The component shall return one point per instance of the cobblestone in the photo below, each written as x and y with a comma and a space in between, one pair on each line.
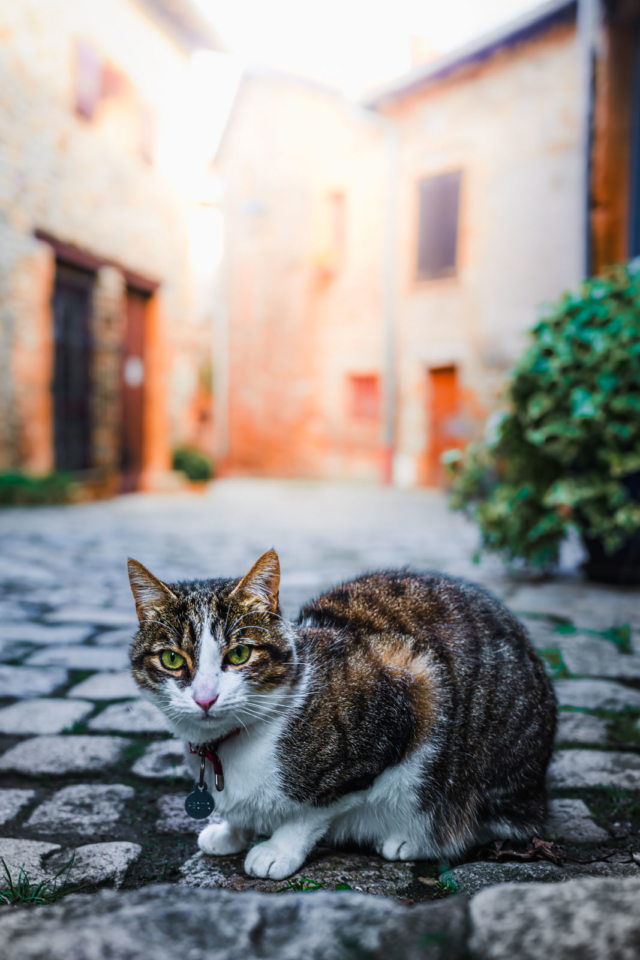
12, 802
162, 761
588, 656
81, 658
596, 694
115, 638
472, 877
100, 616
101, 863
84, 809
134, 716
30, 681
365, 874
29, 855
570, 769
65, 606
106, 686
62, 755
45, 716
571, 821
175, 819
41, 634
580, 728
95, 863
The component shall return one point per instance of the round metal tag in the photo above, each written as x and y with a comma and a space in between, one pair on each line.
199, 804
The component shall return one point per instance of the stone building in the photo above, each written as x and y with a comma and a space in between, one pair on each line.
489, 201
298, 362
105, 344
466, 194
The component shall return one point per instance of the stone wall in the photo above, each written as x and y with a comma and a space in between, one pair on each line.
120, 185
511, 125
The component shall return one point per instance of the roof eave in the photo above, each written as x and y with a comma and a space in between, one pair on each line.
516, 31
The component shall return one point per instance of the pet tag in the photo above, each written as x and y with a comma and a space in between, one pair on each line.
199, 804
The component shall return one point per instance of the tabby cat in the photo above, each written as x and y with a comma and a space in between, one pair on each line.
403, 711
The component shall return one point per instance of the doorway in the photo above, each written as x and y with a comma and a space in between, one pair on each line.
73, 351
443, 410
133, 392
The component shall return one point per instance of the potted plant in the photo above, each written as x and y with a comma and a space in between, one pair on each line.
567, 451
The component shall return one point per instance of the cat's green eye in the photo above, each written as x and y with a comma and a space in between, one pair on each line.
239, 654
171, 660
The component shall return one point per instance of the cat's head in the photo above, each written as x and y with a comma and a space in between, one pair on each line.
213, 655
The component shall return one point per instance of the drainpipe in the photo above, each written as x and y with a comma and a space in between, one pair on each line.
589, 14
221, 345
389, 273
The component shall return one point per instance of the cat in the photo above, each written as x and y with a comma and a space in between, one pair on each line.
403, 711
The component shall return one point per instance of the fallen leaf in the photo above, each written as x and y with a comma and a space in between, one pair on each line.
428, 881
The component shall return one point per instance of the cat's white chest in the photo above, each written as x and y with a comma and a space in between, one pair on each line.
252, 795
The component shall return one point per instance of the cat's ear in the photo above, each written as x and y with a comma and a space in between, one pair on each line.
149, 593
260, 586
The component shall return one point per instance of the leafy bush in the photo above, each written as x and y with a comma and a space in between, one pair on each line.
568, 450
21, 489
194, 464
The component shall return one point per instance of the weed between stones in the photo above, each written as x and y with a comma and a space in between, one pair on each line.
22, 890
557, 667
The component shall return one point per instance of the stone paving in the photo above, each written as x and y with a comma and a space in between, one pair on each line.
91, 776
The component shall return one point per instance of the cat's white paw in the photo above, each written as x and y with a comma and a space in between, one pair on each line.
271, 859
220, 840
399, 848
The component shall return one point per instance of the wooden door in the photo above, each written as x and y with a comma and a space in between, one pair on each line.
443, 408
72, 368
133, 377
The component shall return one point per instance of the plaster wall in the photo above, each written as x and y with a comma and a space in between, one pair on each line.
511, 124
122, 186
304, 306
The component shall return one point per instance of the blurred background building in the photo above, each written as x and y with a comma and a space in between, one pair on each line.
105, 347
381, 262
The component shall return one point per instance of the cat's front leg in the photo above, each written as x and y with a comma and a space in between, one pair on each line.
221, 839
288, 848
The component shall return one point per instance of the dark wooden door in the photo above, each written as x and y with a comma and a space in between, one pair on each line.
443, 411
133, 377
72, 368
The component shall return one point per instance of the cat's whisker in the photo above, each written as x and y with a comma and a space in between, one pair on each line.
239, 719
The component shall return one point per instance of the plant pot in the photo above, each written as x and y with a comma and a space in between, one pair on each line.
621, 567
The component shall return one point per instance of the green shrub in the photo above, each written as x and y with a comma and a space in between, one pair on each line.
194, 464
567, 448
22, 489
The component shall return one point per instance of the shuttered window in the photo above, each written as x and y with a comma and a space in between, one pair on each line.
438, 205
364, 396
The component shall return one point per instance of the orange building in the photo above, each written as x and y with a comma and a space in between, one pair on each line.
383, 265
299, 359
105, 345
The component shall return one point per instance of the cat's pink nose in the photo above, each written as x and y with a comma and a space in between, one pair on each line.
206, 704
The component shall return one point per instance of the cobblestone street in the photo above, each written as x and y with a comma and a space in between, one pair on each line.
88, 767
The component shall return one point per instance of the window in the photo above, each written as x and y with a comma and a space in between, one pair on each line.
88, 80
438, 204
364, 396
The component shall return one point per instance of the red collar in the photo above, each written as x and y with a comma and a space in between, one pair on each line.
210, 751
